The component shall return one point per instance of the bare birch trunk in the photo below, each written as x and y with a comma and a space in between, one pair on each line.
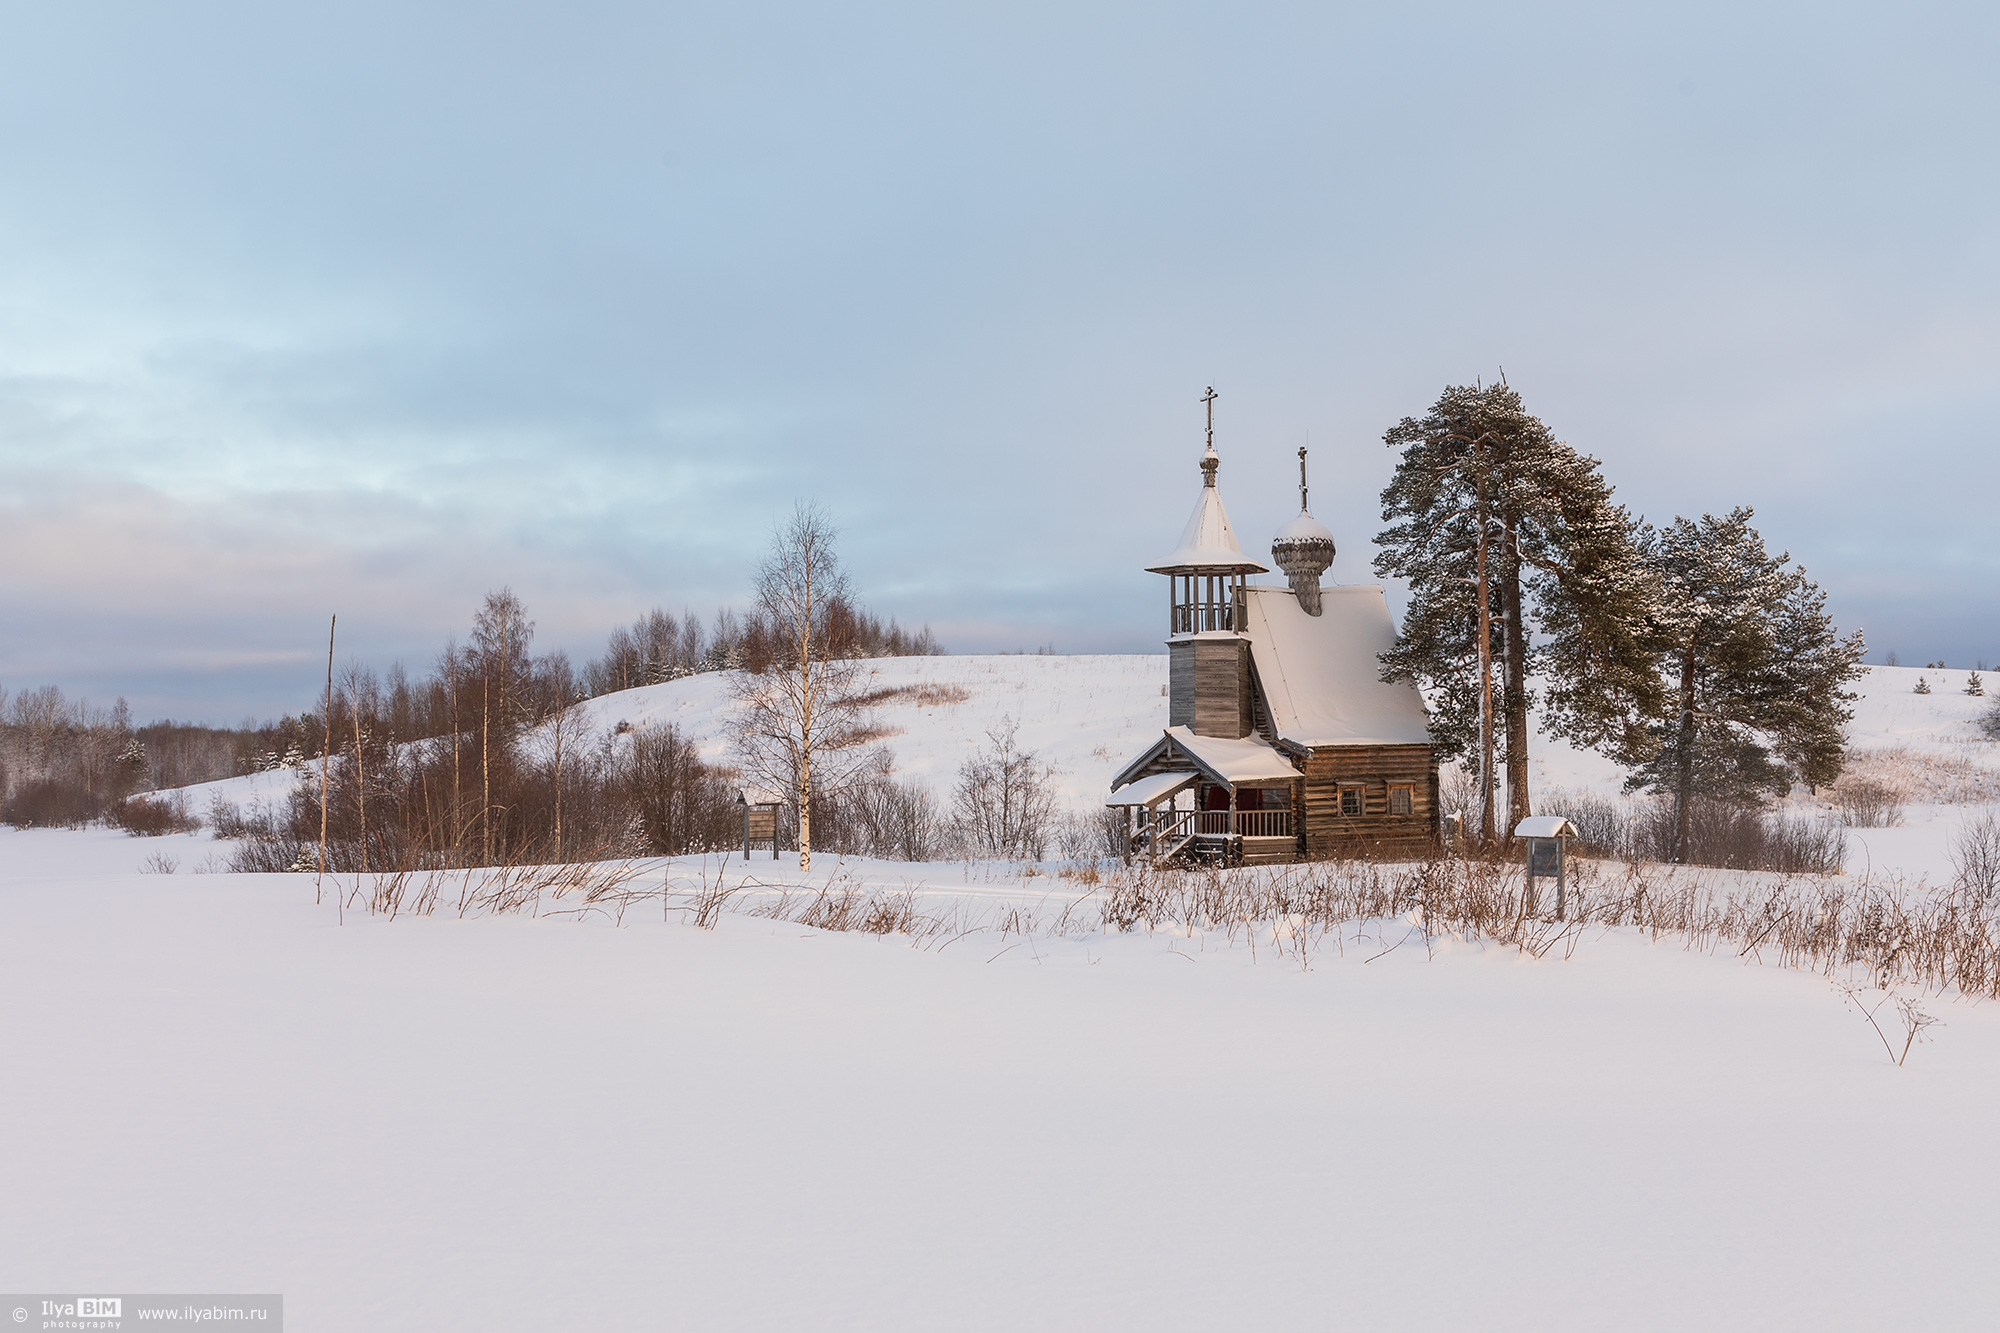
457, 754
325, 757
485, 771
806, 736
360, 782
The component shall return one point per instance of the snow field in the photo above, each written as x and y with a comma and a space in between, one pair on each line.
522, 1123
574, 1120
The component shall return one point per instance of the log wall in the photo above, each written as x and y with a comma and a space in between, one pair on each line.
1373, 768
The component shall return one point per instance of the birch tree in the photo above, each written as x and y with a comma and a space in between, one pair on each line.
801, 725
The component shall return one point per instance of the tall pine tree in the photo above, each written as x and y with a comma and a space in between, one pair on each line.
1752, 668
1486, 498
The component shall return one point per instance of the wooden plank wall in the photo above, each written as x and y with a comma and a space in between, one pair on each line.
1222, 686
1208, 686
1180, 684
1374, 831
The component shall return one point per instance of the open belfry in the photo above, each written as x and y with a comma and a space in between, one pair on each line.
1283, 741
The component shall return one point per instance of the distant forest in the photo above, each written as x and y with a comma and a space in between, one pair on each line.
66, 763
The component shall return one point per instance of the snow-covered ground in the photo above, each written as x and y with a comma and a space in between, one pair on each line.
580, 1121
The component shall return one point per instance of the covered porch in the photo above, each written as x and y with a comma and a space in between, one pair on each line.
1211, 799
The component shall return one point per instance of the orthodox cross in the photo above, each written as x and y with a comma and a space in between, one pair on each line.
1302, 479
1209, 399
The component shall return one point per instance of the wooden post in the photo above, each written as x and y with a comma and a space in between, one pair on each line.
1562, 860
1235, 843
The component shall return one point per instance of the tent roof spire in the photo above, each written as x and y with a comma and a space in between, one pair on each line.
1208, 544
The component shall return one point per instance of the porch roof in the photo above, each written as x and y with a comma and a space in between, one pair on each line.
1153, 788
1228, 763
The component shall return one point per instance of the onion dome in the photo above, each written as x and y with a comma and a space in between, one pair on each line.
1304, 549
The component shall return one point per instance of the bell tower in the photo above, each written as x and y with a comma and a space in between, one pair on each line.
1208, 670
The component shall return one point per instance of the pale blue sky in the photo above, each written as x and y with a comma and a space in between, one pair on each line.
370, 308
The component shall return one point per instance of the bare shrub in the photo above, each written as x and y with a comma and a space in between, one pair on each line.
681, 804
1989, 721
1975, 857
1603, 825
1458, 789
883, 817
152, 816
49, 803
274, 855
1740, 837
227, 820
1004, 802
1862, 803
1087, 836
159, 863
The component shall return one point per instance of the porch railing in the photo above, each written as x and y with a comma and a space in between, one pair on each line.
1244, 823
1163, 832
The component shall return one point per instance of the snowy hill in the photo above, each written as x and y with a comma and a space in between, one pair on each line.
1089, 715
1086, 716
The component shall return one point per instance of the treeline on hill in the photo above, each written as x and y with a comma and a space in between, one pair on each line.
1688, 652
485, 763
65, 763
658, 647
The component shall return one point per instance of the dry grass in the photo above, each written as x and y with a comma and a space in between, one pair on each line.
1928, 776
1892, 933
571, 888
924, 695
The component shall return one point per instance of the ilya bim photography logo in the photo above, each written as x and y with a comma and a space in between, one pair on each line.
266, 1314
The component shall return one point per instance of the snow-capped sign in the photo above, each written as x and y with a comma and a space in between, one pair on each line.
1545, 826
1546, 835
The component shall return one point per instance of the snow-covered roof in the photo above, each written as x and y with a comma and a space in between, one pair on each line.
1304, 528
1545, 826
1157, 787
1322, 676
1208, 543
1234, 761
1230, 762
